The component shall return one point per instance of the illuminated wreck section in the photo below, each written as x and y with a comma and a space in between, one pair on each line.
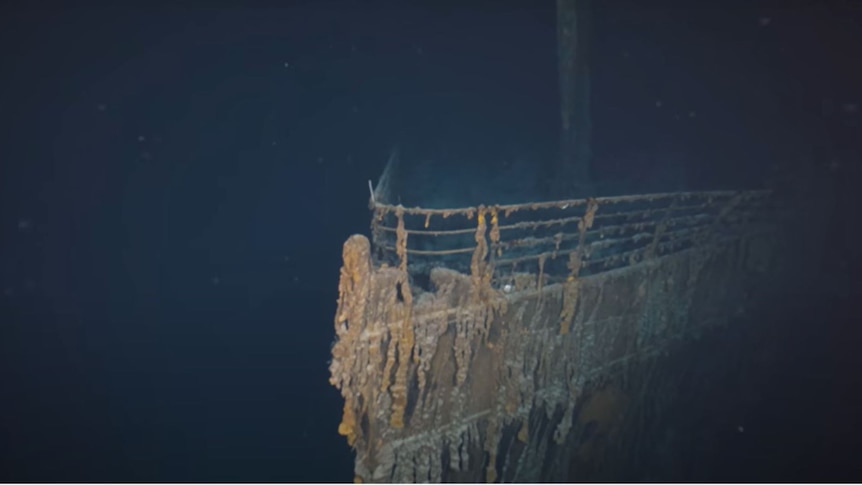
514, 343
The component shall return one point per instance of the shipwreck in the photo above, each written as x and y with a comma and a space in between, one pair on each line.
544, 341
549, 340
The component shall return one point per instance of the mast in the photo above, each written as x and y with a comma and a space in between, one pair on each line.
571, 176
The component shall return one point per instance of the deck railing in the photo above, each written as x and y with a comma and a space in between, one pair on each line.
558, 239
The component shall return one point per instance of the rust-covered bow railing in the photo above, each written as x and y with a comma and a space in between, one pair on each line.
561, 239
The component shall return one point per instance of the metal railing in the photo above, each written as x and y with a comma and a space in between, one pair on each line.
559, 239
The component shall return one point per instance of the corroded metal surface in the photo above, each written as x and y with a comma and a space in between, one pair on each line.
512, 360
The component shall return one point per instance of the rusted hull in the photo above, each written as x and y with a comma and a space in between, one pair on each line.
478, 379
